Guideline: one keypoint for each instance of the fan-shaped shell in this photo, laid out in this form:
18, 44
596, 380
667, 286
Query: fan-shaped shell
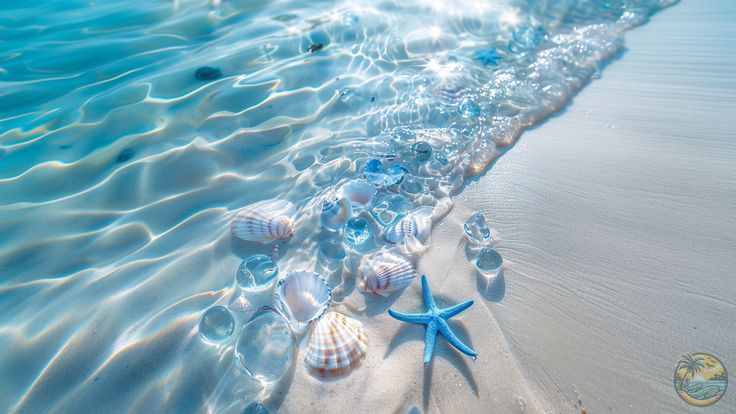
415, 225
360, 192
335, 213
336, 346
386, 273
265, 221
302, 296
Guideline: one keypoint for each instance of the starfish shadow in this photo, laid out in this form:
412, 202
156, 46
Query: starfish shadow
408, 333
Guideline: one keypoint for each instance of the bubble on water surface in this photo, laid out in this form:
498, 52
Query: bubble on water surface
217, 324
265, 346
256, 272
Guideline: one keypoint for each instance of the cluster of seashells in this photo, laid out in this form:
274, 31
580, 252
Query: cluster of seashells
335, 343
367, 216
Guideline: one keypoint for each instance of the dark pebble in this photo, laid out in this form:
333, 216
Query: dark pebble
207, 73
315, 47
255, 408
125, 155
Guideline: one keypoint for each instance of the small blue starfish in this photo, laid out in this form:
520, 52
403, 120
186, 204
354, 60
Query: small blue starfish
436, 320
488, 57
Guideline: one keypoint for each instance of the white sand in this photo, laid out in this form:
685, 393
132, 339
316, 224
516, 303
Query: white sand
617, 220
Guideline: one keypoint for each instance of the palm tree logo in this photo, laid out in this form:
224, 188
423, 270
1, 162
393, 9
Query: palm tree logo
700, 379
692, 365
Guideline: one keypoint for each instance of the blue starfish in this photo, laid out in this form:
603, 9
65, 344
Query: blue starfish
436, 321
488, 57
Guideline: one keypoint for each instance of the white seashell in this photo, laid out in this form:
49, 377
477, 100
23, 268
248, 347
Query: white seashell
416, 225
335, 213
265, 221
303, 297
385, 273
336, 346
360, 192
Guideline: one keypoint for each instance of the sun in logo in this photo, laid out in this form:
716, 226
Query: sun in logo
700, 379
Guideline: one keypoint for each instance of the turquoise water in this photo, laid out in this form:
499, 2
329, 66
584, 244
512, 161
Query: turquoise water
120, 171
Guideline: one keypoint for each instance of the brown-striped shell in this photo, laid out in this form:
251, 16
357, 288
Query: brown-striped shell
336, 346
385, 273
265, 221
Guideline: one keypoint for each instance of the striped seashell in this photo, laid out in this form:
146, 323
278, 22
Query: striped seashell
385, 273
336, 346
335, 213
265, 221
416, 224
303, 297
360, 192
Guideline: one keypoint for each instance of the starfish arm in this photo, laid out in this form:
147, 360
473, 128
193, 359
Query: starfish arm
454, 310
446, 331
428, 299
408, 317
429, 340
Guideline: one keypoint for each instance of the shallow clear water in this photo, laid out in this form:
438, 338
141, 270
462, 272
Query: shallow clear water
120, 170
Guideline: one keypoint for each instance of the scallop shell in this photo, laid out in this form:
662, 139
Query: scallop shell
386, 273
335, 213
265, 221
415, 225
360, 192
303, 296
336, 346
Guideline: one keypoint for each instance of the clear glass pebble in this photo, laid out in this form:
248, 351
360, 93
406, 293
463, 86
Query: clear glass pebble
256, 272
217, 324
469, 109
387, 209
357, 231
412, 185
383, 177
489, 262
477, 230
265, 346
422, 151
332, 249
